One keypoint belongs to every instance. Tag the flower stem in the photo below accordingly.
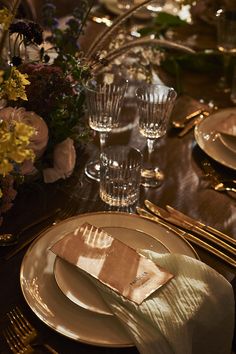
(15, 6)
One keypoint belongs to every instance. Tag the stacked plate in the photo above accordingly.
(63, 298)
(216, 136)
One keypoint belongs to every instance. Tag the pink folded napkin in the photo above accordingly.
(192, 314)
(112, 262)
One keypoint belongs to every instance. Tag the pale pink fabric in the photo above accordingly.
(64, 157)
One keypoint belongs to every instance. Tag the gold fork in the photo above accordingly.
(69, 210)
(14, 342)
(24, 330)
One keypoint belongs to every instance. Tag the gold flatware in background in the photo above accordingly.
(9, 239)
(225, 187)
(201, 225)
(193, 122)
(103, 20)
(182, 122)
(179, 222)
(189, 237)
(15, 344)
(24, 331)
(65, 213)
(217, 182)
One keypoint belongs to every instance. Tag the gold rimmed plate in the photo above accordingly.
(206, 136)
(50, 304)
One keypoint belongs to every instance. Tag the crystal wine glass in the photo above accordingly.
(155, 103)
(226, 40)
(104, 102)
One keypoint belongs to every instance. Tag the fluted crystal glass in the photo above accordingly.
(226, 42)
(155, 104)
(104, 102)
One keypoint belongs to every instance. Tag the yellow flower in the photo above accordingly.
(5, 167)
(1, 76)
(5, 18)
(14, 87)
(14, 142)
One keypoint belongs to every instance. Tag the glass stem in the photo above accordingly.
(102, 137)
(150, 146)
(226, 61)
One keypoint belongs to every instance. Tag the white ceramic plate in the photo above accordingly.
(228, 140)
(77, 287)
(207, 138)
(54, 308)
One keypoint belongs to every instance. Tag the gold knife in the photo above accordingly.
(199, 224)
(167, 216)
(191, 124)
(181, 122)
(190, 238)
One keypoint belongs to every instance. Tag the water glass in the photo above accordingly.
(226, 41)
(155, 104)
(104, 102)
(120, 172)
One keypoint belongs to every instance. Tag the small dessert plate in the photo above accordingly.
(228, 140)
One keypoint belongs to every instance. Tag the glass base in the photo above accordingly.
(152, 177)
(92, 170)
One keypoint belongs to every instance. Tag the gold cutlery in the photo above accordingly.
(103, 20)
(9, 239)
(24, 330)
(193, 122)
(199, 224)
(218, 182)
(15, 344)
(225, 187)
(167, 216)
(68, 211)
(182, 122)
(189, 237)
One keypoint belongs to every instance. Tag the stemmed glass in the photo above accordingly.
(104, 102)
(155, 103)
(226, 40)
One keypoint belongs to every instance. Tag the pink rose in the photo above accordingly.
(27, 168)
(64, 157)
(9, 113)
(39, 140)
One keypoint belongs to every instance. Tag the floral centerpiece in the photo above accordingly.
(41, 91)
(41, 104)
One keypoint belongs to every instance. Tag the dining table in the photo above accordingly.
(185, 187)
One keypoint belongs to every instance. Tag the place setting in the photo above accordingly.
(216, 136)
(66, 285)
(113, 243)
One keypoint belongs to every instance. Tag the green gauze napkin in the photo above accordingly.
(191, 314)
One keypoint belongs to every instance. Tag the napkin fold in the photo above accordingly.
(192, 314)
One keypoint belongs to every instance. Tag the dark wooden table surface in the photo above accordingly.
(185, 188)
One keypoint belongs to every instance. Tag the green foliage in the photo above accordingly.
(67, 119)
(177, 65)
(161, 23)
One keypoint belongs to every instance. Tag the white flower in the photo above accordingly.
(64, 157)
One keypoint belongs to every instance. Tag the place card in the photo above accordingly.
(112, 262)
